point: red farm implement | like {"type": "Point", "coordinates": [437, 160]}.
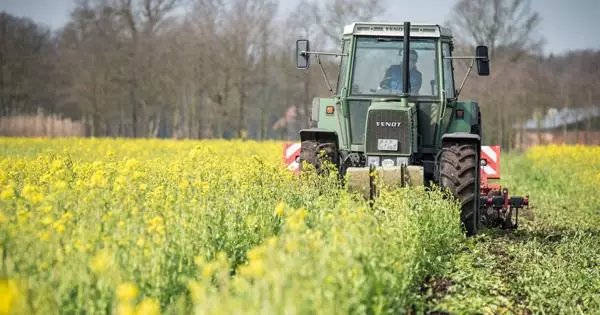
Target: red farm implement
{"type": "Point", "coordinates": [497, 205]}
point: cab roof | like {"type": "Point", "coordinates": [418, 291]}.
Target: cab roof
{"type": "Point", "coordinates": [396, 29]}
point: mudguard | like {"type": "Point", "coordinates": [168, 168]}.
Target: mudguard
{"type": "Point", "coordinates": [320, 135]}
{"type": "Point", "coordinates": [461, 135]}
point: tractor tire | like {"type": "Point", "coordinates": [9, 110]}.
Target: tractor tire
{"type": "Point", "coordinates": [458, 173]}
{"type": "Point", "coordinates": [310, 152]}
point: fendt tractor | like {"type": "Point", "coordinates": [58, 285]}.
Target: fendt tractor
{"type": "Point", "coordinates": [396, 116]}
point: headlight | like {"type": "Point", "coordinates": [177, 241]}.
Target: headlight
{"type": "Point", "coordinates": [387, 163]}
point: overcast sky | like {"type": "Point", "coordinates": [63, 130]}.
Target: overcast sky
{"type": "Point", "coordinates": [566, 25]}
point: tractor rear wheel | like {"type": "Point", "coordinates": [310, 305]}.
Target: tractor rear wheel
{"type": "Point", "coordinates": [316, 154]}
{"type": "Point", "coordinates": [458, 173]}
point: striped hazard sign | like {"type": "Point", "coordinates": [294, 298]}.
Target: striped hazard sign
{"type": "Point", "coordinates": [491, 154]}
{"type": "Point", "coordinates": [291, 154]}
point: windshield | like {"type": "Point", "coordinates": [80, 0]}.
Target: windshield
{"type": "Point", "coordinates": [378, 66]}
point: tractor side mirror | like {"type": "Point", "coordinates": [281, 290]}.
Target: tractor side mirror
{"type": "Point", "coordinates": [302, 57]}
{"type": "Point", "coordinates": [483, 61]}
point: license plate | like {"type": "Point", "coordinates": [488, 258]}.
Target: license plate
{"type": "Point", "coordinates": [387, 144]}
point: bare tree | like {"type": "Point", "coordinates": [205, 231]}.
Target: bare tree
{"type": "Point", "coordinates": [505, 26]}
{"type": "Point", "coordinates": [333, 15]}
{"type": "Point", "coordinates": [23, 47]}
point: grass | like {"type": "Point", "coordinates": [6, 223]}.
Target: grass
{"type": "Point", "coordinates": [550, 264]}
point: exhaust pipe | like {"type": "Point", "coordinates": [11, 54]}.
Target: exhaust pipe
{"type": "Point", "coordinates": [406, 58]}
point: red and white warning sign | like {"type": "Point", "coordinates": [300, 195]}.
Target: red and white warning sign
{"type": "Point", "coordinates": [491, 153]}
{"type": "Point", "coordinates": [291, 151]}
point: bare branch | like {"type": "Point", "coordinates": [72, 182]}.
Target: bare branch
{"type": "Point", "coordinates": [505, 26]}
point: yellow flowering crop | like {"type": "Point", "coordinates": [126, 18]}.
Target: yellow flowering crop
{"type": "Point", "coordinates": [567, 170]}
{"type": "Point", "coordinates": [135, 226]}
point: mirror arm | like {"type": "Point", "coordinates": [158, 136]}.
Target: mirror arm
{"type": "Point", "coordinates": [465, 79]}
{"type": "Point", "coordinates": [322, 53]}
{"type": "Point", "coordinates": [325, 75]}
{"type": "Point", "coordinates": [464, 57]}
{"type": "Point", "coordinates": [337, 88]}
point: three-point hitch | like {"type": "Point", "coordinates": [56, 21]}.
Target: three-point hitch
{"type": "Point", "coordinates": [496, 204]}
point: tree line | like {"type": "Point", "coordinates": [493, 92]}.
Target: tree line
{"type": "Point", "coordinates": [226, 68]}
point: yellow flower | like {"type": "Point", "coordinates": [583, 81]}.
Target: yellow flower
{"type": "Point", "coordinates": [137, 175]}
{"type": "Point", "coordinates": [131, 164]}
{"type": "Point", "coordinates": [101, 261]}
{"type": "Point", "coordinates": [60, 185]}
{"type": "Point", "coordinates": [47, 220]}
{"type": "Point", "coordinates": [140, 242]}
{"type": "Point", "coordinates": [296, 222]}
{"type": "Point", "coordinates": [208, 270]}
{"type": "Point", "coordinates": [44, 236]}
{"type": "Point", "coordinates": [127, 291]}
{"type": "Point", "coordinates": [9, 294]}
{"type": "Point", "coordinates": [120, 182]}
{"type": "Point", "coordinates": [148, 306]}
{"type": "Point", "coordinates": [59, 227]}
{"type": "Point", "coordinates": [98, 179]}
{"type": "Point", "coordinates": [280, 208]}
{"type": "Point", "coordinates": [67, 216]}
{"type": "Point", "coordinates": [256, 253]}
{"type": "Point", "coordinates": [254, 269]}
{"type": "Point", "coordinates": [125, 309]}
{"type": "Point", "coordinates": [195, 291]}
{"type": "Point", "coordinates": [184, 184]}
{"type": "Point", "coordinates": [156, 225]}
{"type": "Point", "coordinates": [46, 209]}
{"type": "Point", "coordinates": [31, 193]}
{"type": "Point", "coordinates": [7, 193]}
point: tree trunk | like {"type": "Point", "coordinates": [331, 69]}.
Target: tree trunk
{"type": "Point", "coordinates": [241, 118]}
{"type": "Point", "coordinates": [223, 108]}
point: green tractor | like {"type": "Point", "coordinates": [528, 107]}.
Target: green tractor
{"type": "Point", "coordinates": [396, 114]}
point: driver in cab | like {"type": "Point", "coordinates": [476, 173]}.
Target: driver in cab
{"type": "Point", "coordinates": [393, 76]}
